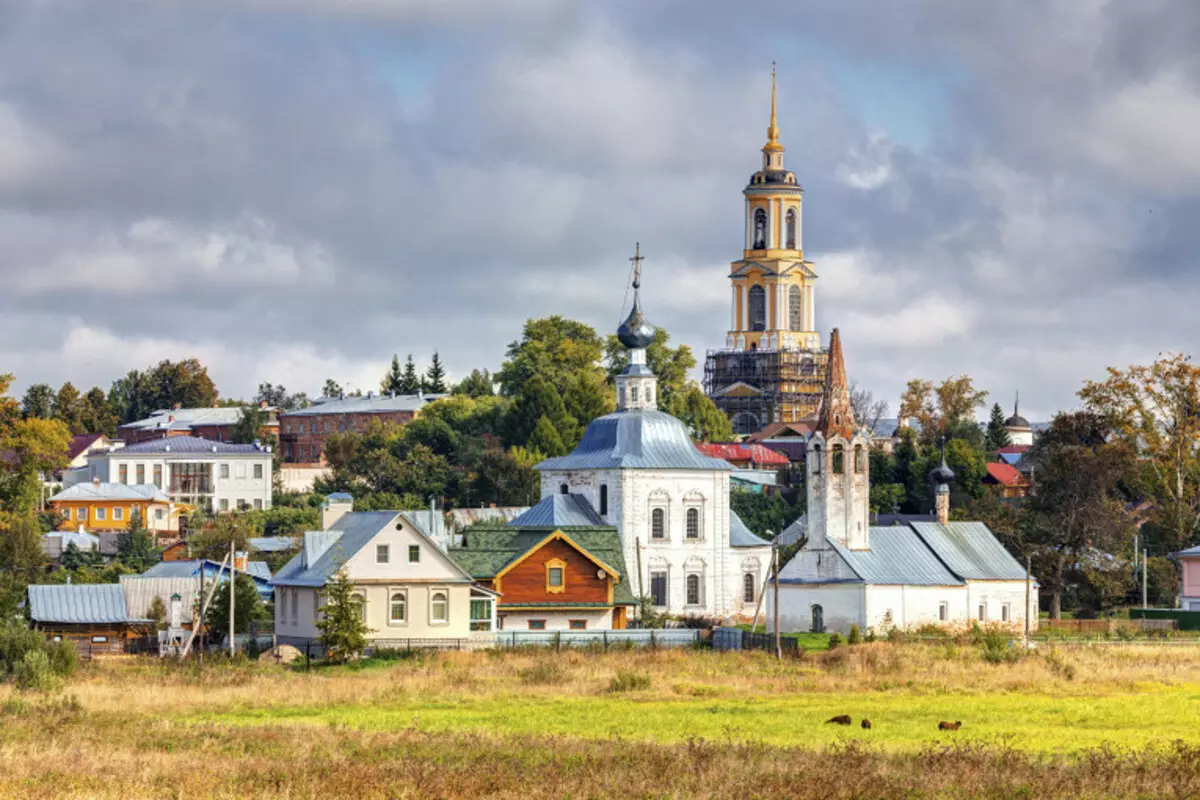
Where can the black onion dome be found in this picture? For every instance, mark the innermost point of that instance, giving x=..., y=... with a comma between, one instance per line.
x=636, y=332
x=942, y=475
x=1016, y=421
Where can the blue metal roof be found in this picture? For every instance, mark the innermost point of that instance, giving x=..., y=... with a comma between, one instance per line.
x=1191, y=551
x=190, y=444
x=897, y=556
x=187, y=569
x=78, y=604
x=740, y=535
x=559, y=511
x=636, y=439
x=969, y=550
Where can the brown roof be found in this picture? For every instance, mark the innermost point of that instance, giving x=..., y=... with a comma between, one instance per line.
x=796, y=430
x=81, y=443
x=837, y=415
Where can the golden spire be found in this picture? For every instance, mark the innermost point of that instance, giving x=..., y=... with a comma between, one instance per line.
x=773, y=129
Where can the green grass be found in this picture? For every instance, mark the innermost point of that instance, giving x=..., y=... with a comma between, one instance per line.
x=902, y=720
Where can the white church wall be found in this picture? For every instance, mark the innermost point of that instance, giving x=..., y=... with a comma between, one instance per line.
x=910, y=607
x=994, y=596
x=843, y=605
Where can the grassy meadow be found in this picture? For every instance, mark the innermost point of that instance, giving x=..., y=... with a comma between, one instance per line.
x=1105, y=721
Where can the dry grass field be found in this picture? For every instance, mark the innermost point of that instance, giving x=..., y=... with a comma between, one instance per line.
x=1111, y=721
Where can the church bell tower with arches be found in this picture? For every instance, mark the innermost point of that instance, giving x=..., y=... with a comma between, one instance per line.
x=772, y=365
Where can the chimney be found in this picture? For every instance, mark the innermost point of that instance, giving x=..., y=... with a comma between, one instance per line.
x=942, y=504
x=336, y=506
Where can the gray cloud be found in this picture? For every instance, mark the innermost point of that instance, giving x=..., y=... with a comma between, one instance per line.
x=295, y=190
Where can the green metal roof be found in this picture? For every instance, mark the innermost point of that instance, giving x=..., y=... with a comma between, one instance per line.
x=486, y=551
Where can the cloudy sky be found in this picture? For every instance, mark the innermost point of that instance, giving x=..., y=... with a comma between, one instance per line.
x=292, y=190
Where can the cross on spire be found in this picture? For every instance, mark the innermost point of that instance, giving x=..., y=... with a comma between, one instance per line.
x=637, y=260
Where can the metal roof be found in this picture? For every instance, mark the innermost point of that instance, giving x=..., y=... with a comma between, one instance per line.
x=367, y=404
x=190, y=568
x=734, y=451
x=325, y=551
x=272, y=544
x=111, y=491
x=1191, y=551
x=740, y=535
x=969, y=550
x=78, y=604
x=185, y=418
x=191, y=444
x=559, y=511
x=140, y=592
x=635, y=439
x=897, y=557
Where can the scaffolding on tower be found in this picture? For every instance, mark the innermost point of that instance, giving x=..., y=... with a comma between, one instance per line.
x=757, y=387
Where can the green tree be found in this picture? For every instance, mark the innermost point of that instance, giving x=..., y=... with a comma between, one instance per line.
x=31, y=447
x=410, y=382
x=1078, y=513
x=765, y=515
x=545, y=438
x=538, y=399
x=248, y=606
x=435, y=376
x=38, y=401
x=210, y=536
x=587, y=397
x=72, y=557
x=945, y=411
x=97, y=413
x=137, y=547
x=705, y=421
x=477, y=384
x=165, y=385
x=158, y=613
x=68, y=408
x=331, y=389
x=21, y=559
x=248, y=428
x=553, y=348
x=343, y=629
x=997, y=434
x=393, y=379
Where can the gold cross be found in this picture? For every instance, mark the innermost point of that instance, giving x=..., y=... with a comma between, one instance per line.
x=637, y=260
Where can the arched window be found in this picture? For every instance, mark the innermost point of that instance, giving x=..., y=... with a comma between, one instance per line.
x=760, y=229
x=818, y=619
x=399, y=608
x=796, y=308
x=361, y=600
x=563, y=489
x=693, y=523
x=859, y=459
x=658, y=524
x=839, y=459
x=791, y=229
x=748, y=588
x=439, y=608
x=758, y=308
x=817, y=458
x=693, y=590
x=603, y=499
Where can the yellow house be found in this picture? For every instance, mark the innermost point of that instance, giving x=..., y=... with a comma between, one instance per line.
x=104, y=507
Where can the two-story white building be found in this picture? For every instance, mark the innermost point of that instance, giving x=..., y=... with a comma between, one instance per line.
x=217, y=476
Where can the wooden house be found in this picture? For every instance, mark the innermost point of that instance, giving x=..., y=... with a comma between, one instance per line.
x=550, y=577
x=92, y=616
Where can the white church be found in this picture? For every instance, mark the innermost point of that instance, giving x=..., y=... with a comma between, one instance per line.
x=905, y=575
x=640, y=471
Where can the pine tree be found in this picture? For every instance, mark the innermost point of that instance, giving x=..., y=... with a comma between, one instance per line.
x=393, y=380
x=136, y=547
x=477, y=384
x=343, y=629
x=332, y=388
x=545, y=439
x=435, y=377
x=410, y=382
x=997, y=434
x=247, y=606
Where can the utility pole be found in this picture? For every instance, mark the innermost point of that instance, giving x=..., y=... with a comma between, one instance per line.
x=1145, y=554
x=775, y=569
x=232, y=575
x=1028, y=587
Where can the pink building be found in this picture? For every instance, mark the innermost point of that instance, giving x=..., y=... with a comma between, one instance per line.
x=1189, y=563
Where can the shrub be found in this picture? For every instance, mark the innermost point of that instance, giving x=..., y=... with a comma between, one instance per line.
x=629, y=681
x=870, y=637
x=896, y=636
x=835, y=639
x=543, y=673
x=64, y=660
x=33, y=673
x=855, y=636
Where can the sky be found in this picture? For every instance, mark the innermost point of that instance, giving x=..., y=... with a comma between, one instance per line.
x=294, y=190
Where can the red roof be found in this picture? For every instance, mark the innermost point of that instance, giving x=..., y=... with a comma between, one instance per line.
x=1006, y=474
x=756, y=454
x=81, y=443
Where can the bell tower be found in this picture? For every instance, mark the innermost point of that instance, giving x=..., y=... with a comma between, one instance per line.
x=772, y=286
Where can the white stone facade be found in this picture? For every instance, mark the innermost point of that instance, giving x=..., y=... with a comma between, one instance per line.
x=838, y=488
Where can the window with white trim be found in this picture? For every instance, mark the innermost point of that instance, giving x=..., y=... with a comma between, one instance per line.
x=1005, y=612
x=101, y=513
x=748, y=588
x=118, y=513
x=695, y=589
x=382, y=554
x=439, y=607
x=658, y=588
x=983, y=612
x=943, y=612
x=658, y=523
x=693, y=523
x=398, y=608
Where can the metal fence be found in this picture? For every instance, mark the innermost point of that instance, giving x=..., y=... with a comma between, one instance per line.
x=738, y=639
x=645, y=637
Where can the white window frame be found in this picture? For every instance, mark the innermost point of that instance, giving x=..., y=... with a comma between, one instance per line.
x=224, y=504
x=361, y=594
x=258, y=504
x=943, y=611
x=432, y=594
x=982, y=610
x=753, y=587
x=383, y=554
x=414, y=548
x=258, y=472
x=223, y=472
x=689, y=508
x=687, y=579
x=1006, y=612
x=666, y=526
x=101, y=513
x=393, y=595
